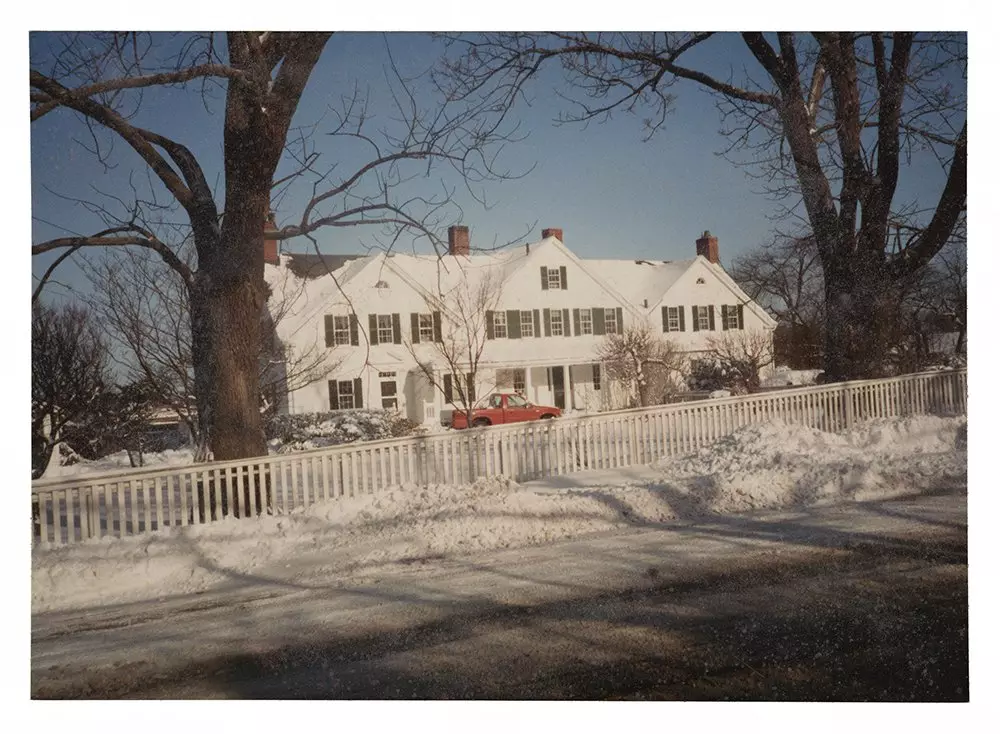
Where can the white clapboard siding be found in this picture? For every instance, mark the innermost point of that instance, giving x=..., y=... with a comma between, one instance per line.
x=75, y=509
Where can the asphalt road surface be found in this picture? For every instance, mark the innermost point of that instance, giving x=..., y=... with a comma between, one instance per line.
x=863, y=604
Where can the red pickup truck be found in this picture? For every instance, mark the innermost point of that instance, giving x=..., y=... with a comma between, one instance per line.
x=503, y=408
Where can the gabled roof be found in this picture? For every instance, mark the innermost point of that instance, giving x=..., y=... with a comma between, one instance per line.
x=641, y=281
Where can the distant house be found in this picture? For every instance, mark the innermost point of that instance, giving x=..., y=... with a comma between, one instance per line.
x=381, y=315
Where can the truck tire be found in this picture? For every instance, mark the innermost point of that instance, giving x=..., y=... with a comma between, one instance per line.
x=480, y=422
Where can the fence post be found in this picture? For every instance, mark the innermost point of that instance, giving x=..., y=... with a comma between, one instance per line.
x=849, y=407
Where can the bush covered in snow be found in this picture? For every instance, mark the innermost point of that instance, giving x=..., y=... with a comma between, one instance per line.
x=315, y=430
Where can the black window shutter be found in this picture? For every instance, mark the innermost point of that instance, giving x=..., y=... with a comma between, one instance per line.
x=536, y=320
x=548, y=322
x=619, y=324
x=470, y=387
x=354, y=330
x=437, y=326
x=372, y=329
x=739, y=315
x=599, y=326
x=562, y=277
x=666, y=322
x=328, y=324
x=332, y=384
x=513, y=324
x=359, y=401
x=725, y=311
x=448, y=396
x=489, y=325
x=545, y=278
x=566, y=331
x=415, y=328
x=576, y=321
x=694, y=318
x=680, y=317
x=597, y=376
x=711, y=318
x=397, y=332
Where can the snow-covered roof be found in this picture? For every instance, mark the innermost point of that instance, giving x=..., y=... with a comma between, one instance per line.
x=640, y=280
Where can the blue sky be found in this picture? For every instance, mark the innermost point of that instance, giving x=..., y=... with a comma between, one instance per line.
x=613, y=194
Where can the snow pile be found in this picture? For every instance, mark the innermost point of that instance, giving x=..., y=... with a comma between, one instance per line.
x=770, y=465
x=783, y=377
x=120, y=462
x=317, y=430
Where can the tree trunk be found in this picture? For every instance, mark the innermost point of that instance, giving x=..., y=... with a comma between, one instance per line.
x=861, y=317
x=225, y=320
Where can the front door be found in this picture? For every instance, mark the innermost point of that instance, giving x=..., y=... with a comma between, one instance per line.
x=559, y=387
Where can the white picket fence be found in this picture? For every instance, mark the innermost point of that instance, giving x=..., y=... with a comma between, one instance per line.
x=68, y=510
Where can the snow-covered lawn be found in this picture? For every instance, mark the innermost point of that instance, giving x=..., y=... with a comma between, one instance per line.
x=771, y=465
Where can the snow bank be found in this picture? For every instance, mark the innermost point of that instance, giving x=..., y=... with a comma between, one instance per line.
x=782, y=377
x=119, y=462
x=771, y=465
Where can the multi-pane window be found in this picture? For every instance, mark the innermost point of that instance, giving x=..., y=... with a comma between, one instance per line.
x=385, y=329
x=345, y=394
x=500, y=324
x=555, y=282
x=732, y=317
x=389, y=401
x=341, y=330
x=703, y=322
x=425, y=323
x=610, y=321
x=519, y=380
x=556, y=321
x=527, y=324
x=586, y=321
x=674, y=318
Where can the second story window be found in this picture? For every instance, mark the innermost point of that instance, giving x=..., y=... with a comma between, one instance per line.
x=500, y=324
x=527, y=325
x=701, y=318
x=341, y=330
x=610, y=321
x=674, y=318
x=586, y=321
x=556, y=322
x=425, y=325
x=731, y=317
x=384, y=329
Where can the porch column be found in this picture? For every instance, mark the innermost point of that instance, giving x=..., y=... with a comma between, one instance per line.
x=568, y=386
x=527, y=385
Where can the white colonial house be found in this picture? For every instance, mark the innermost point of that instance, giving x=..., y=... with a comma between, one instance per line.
x=537, y=312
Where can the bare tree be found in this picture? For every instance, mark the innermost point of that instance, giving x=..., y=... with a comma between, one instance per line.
x=830, y=120
x=144, y=307
x=69, y=372
x=460, y=316
x=646, y=364
x=105, y=77
x=741, y=356
x=786, y=278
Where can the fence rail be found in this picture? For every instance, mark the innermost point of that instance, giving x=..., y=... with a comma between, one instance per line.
x=69, y=510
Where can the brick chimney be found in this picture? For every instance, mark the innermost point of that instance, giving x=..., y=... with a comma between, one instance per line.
x=708, y=247
x=553, y=232
x=270, y=246
x=458, y=240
